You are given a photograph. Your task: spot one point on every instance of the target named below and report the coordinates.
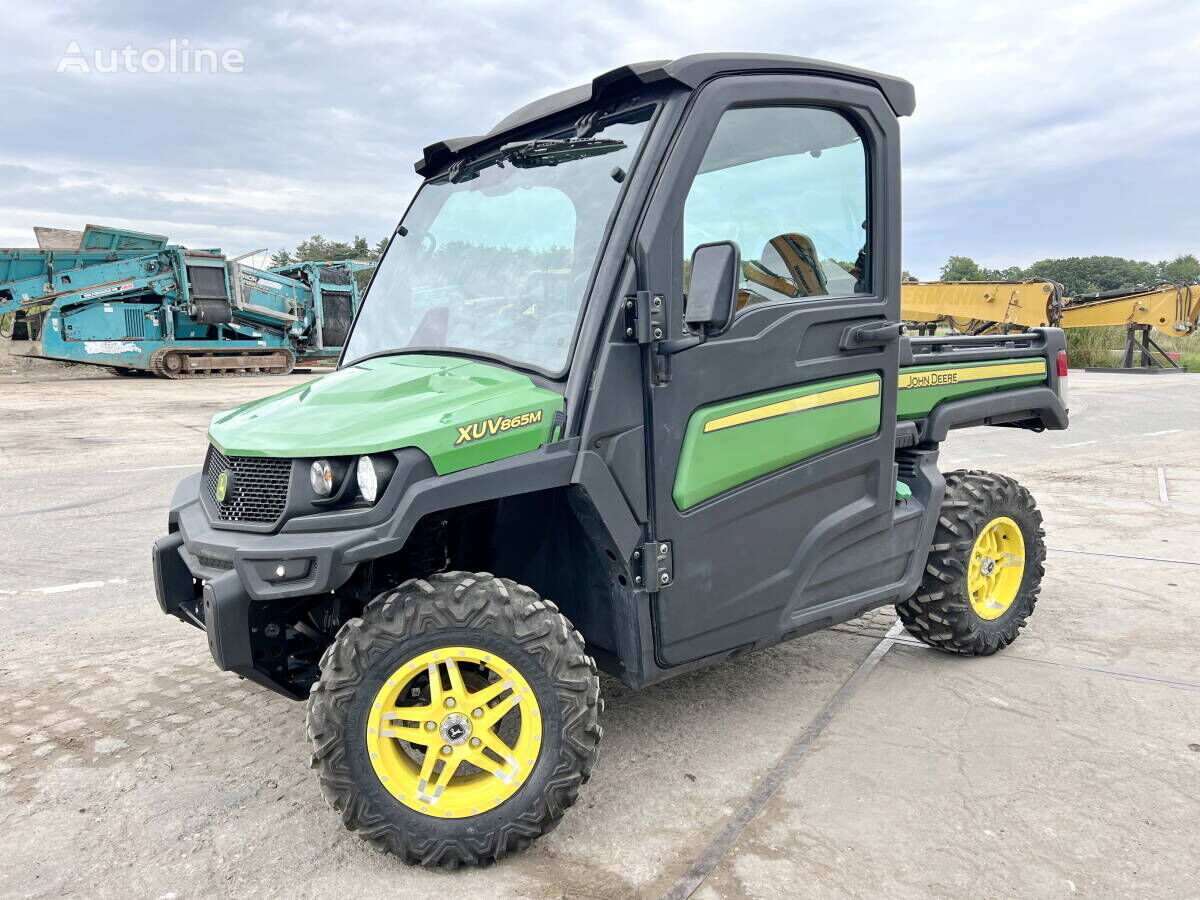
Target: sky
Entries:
(1042, 129)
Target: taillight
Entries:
(1063, 393)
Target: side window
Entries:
(788, 184)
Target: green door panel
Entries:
(460, 413)
(731, 443)
(924, 387)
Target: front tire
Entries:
(985, 567)
(455, 721)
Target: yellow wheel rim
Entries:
(454, 732)
(996, 568)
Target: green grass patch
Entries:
(1105, 347)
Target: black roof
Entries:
(687, 71)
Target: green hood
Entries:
(460, 413)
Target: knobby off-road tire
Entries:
(477, 616)
(945, 613)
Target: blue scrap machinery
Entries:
(137, 304)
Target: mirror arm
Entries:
(670, 348)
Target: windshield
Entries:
(497, 260)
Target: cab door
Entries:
(772, 443)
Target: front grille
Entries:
(257, 487)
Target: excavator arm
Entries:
(983, 306)
(991, 307)
(1172, 309)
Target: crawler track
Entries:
(178, 364)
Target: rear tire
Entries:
(971, 601)
(402, 635)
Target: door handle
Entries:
(856, 336)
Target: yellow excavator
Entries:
(996, 307)
(789, 266)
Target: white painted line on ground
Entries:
(63, 588)
(155, 468)
(1157, 433)
(1162, 485)
(78, 586)
(1079, 444)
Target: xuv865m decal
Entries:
(495, 425)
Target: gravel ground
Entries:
(1067, 766)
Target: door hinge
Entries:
(654, 566)
(645, 317)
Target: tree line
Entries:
(1080, 274)
(320, 249)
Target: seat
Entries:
(799, 257)
(793, 254)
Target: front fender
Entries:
(336, 542)
(549, 467)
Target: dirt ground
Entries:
(1067, 766)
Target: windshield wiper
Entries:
(531, 154)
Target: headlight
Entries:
(374, 472)
(320, 476)
(368, 479)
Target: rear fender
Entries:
(1037, 405)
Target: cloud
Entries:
(1041, 130)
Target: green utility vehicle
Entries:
(628, 391)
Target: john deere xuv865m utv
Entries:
(628, 391)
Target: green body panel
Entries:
(713, 462)
(462, 413)
(458, 412)
(917, 402)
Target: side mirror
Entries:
(712, 292)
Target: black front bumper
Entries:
(232, 584)
(229, 581)
(222, 608)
